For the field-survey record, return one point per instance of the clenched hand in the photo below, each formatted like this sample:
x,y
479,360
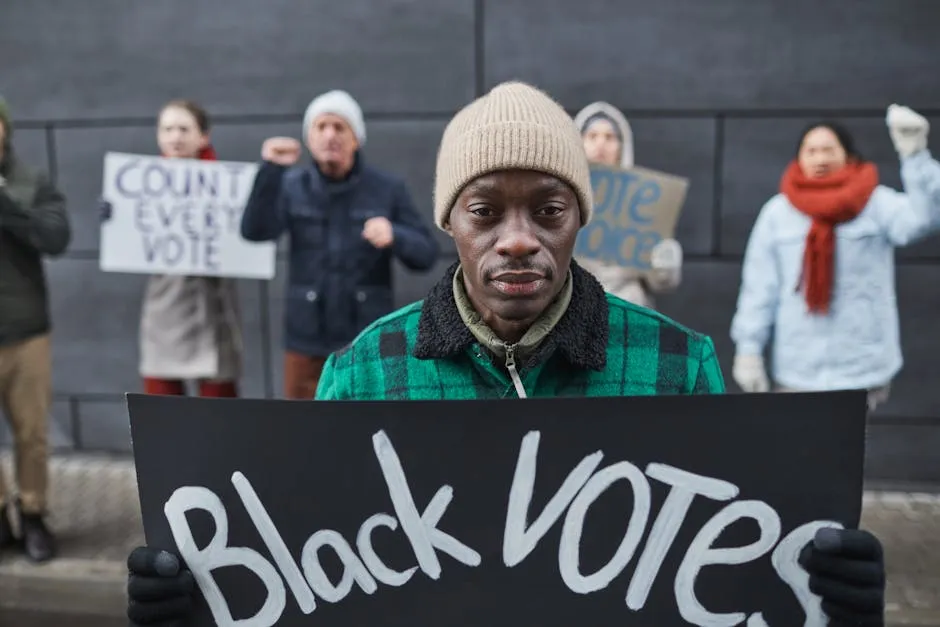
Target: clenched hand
x,y
378,232
281,150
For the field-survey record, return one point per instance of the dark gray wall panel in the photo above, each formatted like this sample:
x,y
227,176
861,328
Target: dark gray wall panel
x,y
903,453
30,147
757,152
684,147
235,56
97,316
688,54
915,392
59,431
407,149
276,327
105,426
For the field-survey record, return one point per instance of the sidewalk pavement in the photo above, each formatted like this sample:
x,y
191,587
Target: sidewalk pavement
x,y
96,514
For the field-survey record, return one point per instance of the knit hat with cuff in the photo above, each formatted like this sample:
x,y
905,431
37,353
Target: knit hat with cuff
x,y
337,102
513,127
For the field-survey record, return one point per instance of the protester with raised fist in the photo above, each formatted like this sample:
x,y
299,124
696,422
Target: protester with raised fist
x,y
346,221
34,225
190,326
608,140
819,266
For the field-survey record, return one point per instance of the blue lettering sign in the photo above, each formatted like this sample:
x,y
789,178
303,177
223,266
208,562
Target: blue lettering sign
x,y
121,183
623,229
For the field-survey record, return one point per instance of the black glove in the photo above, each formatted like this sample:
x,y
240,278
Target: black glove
x,y
159,591
104,210
846,568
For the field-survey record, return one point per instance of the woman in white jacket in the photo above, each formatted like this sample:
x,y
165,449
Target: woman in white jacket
x,y
608,140
819,266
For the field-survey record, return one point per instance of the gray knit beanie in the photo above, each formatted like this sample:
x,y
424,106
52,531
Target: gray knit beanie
x,y
337,102
513,127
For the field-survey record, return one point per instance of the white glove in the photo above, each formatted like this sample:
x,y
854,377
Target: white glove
x,y
666,255
749,373
908,130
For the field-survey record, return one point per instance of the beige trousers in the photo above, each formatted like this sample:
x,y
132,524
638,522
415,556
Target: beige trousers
x,y
25,396
876,396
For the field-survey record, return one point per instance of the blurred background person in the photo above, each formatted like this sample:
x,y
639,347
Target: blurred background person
x,y
608,140
819,265
346,222
33,224
190,326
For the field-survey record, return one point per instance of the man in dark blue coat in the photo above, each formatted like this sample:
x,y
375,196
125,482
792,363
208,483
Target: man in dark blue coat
x,y
346,221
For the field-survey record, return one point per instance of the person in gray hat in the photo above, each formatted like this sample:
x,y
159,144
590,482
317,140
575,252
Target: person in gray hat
x,y
346,222
33,224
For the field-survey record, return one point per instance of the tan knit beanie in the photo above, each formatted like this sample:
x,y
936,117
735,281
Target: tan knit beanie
x,y
513,127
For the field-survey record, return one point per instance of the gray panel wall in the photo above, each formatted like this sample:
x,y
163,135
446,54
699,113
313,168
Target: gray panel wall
x,y
715,91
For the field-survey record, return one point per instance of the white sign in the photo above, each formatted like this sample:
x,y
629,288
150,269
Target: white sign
x,y
180,216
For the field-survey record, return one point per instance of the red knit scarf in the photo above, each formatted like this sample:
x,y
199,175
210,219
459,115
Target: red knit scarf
x,y
207,154
830,200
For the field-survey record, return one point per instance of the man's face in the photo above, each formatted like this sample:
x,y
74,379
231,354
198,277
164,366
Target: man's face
x,y
515,232
821,153
601,143
179,135
332,142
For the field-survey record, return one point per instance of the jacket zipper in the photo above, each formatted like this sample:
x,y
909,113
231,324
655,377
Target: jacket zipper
x,y
513,373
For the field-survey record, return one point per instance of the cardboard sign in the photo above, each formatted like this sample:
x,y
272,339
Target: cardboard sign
x,y
180,216
634,210
603,511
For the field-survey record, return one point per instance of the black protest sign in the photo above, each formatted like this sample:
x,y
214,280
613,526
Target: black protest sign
x,y
609,511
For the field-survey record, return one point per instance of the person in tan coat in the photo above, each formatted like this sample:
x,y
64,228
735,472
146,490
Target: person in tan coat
x,y
608,140
190,326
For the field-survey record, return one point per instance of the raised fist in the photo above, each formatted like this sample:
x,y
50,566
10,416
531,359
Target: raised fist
x,y
281,150
908,130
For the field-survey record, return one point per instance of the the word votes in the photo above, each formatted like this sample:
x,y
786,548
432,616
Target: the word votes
x,y
583,485
182,209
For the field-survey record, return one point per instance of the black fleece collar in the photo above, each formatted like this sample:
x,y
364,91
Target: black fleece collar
x,y
581,334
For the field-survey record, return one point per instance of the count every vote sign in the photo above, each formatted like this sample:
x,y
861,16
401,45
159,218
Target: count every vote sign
x,y
180,216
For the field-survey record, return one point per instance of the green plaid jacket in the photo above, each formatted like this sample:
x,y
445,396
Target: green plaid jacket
x,y
602,346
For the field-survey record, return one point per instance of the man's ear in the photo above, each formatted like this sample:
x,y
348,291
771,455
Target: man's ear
x,y
446,227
